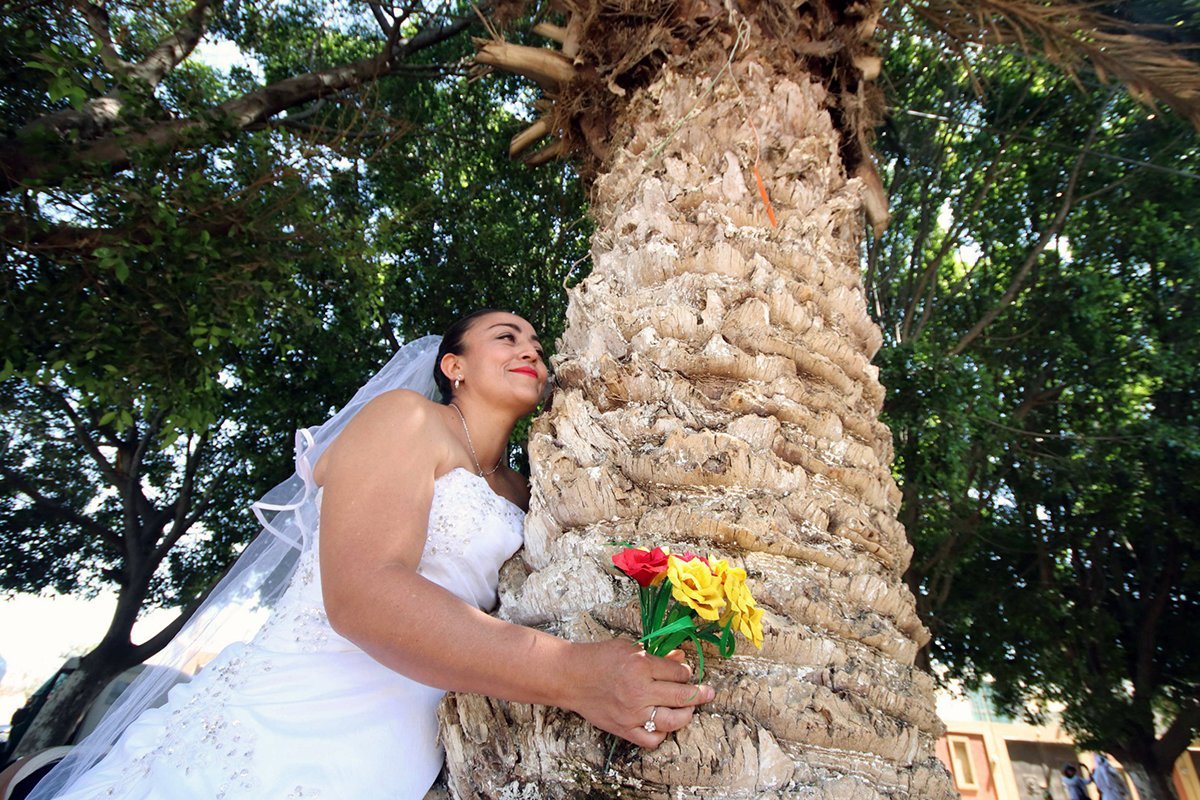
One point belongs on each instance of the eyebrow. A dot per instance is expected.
(513, 327)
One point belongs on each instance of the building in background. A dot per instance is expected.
(994, 757)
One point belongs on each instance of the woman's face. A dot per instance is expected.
(501, 361)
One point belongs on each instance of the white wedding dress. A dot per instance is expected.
(299, 711)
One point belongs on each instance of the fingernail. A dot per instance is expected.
(709, 693)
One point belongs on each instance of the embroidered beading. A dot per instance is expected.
(205, 730)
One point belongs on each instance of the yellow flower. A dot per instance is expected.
(742, 612)
(694, 584)
(749, 623)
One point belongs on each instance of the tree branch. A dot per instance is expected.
(98, 116)
(85, 440)
(32, 235)
(385, 24)
(152, 427)
(26, 160)
(206, 498)
(991, 176)
(1179, 734)
(98, 22)
(184, 498)
(1152, 607)
(1035, 253)
(166, 55)
(26, 487)
(160, 640)
(171, 51)
(1034, 399)
(183, 521)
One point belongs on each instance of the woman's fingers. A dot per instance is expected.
(670, 668)
(645, 739)
(673, 686)
(665, 721)
(681, 695)
(624, 685)
(668, 719)
(677, 656)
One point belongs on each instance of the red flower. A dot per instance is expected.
(688, 555)
(641, 565)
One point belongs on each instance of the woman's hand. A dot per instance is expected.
(374, 516)
(617, 686)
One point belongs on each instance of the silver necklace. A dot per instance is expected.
(467, 431)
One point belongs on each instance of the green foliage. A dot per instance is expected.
(469, 227)
(1048, 464)
(177, 321)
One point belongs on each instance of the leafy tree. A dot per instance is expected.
(115, 142)
(117, 459)
(178, 316)
(1052, 520)
(115, 84)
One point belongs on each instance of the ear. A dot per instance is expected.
(451, 366)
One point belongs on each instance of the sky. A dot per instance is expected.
(38, 633)
(223, 54)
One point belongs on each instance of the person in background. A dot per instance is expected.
(1075, 783)
(1108, 780)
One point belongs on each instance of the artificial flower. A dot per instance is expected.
(741, 611)
(694, 584)
(643, 565)
(688, 597)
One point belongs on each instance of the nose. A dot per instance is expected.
(530, 352)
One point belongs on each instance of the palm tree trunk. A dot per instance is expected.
(716, 393)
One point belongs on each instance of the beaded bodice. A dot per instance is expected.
(251, 722)
(472, 532)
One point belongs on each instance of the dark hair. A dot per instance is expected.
(452, 342)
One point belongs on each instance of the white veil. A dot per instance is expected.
(260, 575)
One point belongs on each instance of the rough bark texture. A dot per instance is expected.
(716, 394)
(1152, 780)
(68, 704)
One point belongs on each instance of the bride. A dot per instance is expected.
(336, 695)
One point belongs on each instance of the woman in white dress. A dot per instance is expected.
(385, 610)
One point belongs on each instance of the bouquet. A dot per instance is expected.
(688, 597)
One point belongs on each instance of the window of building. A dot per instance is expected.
(961, 761)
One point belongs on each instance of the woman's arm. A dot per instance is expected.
(378, 487)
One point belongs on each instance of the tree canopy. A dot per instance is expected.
(1036, 290)
(176, 318)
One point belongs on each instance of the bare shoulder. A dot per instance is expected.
(400, 413)
(397, 422)
(400, 401)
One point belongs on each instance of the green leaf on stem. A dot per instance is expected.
(661, 599)
(727, 643)
(680, 624)
(699, 660)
